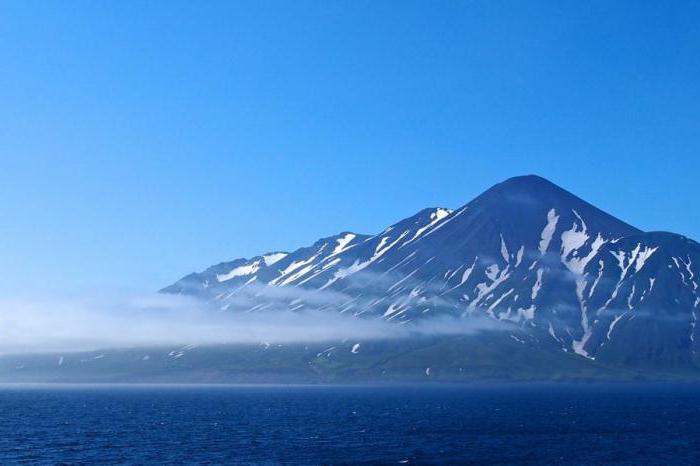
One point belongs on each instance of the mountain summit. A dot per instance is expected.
(563, 275)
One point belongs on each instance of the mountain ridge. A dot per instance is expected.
(524, 252)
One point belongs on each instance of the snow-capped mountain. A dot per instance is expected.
(565, 275)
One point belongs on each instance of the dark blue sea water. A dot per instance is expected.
(494, 424)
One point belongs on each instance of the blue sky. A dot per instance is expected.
(142, 140)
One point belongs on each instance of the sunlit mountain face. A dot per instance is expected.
(559, 276)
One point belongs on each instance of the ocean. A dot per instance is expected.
(422, 424)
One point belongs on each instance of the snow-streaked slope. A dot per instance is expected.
(525, 252)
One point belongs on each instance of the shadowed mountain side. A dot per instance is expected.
(575, 279)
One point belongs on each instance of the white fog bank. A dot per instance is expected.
(48, 325)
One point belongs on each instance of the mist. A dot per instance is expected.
(44, 325)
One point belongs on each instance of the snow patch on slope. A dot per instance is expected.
(273, 258)
(548, 231)
(240, 271)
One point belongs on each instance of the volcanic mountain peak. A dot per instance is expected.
(525, 253)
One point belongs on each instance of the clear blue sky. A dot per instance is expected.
(141, 140)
